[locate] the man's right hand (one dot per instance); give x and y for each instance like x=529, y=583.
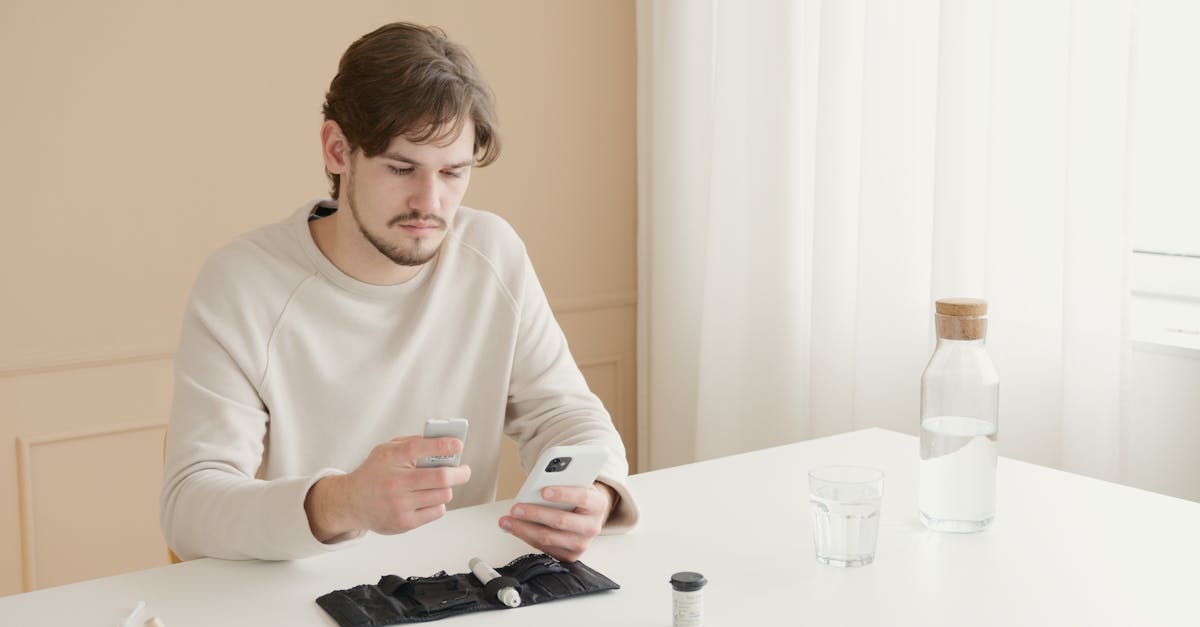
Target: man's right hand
x=387, y=493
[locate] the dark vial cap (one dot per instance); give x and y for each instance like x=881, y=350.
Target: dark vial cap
x=688, y=581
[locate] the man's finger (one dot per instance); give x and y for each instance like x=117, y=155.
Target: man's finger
x=574, y=496
x=570, y=522
x=592, y=498
x=427, y=447
x=561, y=545
x=441, y=477
x=414, y=519
x=420, y=499
x=405, y=452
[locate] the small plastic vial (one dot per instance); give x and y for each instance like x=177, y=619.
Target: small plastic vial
x=688, y=599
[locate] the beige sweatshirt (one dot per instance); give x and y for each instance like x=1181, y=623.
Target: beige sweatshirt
x=289, y=370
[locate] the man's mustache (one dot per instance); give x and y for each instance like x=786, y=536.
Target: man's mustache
x=416, y=216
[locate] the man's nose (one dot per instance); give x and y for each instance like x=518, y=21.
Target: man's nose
x=425, y=197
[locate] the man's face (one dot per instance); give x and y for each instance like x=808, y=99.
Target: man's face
x=404, y=199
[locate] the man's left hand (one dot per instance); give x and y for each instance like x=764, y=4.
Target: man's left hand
x=563, y=535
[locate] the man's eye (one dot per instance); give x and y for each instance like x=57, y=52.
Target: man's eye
x=396, y=170
x=454, y=174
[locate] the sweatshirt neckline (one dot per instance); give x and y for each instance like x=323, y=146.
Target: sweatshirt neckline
x=327, y=269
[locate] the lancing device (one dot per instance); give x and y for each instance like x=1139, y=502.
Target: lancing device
x=503, y=587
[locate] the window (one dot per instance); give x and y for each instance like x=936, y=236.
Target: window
x=1164, y=170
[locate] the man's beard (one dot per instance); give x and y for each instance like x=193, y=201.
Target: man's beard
x=412, y=256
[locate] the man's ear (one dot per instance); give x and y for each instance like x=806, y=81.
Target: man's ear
x=335, y=149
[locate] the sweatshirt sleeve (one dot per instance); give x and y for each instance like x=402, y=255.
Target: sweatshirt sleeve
x=211, y=504
x=549, y=401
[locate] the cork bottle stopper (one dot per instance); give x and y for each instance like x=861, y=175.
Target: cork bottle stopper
x=961, y=318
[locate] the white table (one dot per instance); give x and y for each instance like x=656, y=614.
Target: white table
x=1064, y=550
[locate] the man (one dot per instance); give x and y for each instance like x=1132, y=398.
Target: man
x=314, y=349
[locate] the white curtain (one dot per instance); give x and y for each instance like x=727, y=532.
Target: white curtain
x=813, y=175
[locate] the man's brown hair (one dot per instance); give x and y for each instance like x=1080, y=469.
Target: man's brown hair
x=410, y=80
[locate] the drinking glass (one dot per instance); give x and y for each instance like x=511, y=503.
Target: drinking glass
x=845, y=505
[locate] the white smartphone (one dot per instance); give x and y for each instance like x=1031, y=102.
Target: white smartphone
x=444, y=428
x=574, y=465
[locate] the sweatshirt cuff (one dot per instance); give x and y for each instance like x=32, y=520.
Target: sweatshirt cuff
x=624, y=516
x=299, y=534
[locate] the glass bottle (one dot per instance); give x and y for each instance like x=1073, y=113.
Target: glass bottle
x=959, y=401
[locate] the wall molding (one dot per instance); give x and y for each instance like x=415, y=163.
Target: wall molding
x=574, y=304
x=25, y=449
x=97, y=359
x=101, y=359
x=617, y=362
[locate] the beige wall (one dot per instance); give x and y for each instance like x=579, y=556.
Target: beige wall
x=139, y=136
